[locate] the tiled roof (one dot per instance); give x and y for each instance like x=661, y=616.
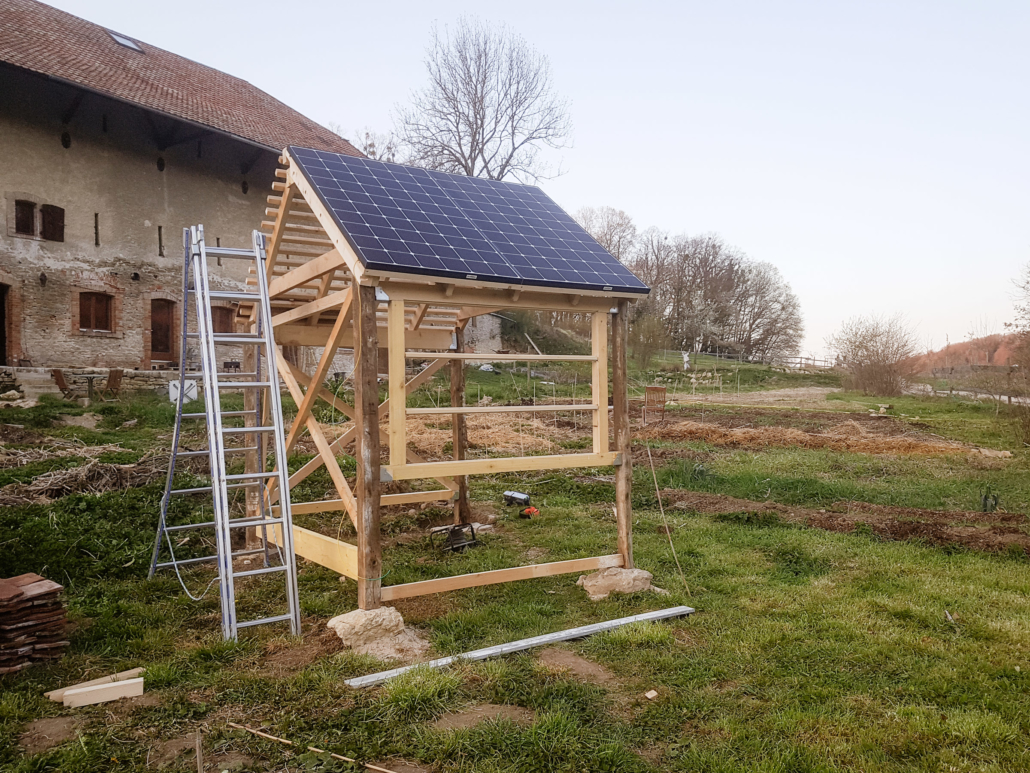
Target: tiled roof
x=45, y=40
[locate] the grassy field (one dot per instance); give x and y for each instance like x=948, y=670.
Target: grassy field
x=811, y=650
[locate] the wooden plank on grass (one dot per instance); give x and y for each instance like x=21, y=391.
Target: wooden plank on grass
x=58, y=695
x=394, y=592
x=102, y=693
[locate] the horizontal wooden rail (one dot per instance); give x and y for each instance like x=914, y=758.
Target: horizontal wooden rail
x=501, y=357
x=330, y=505
x=501, y=409
x=341, y=557
x=477, y=579
x=509, y=464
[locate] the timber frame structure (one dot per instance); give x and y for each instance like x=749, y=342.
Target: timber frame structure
x=323, y=295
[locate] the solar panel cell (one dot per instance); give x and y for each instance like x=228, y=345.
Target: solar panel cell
x=419, y=221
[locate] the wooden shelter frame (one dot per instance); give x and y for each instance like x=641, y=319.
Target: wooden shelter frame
x=323, y=295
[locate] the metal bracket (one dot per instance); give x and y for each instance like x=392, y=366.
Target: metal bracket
x=385, y=476
x=381, y=295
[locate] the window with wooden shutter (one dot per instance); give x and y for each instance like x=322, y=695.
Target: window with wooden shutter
x=25, y=217
x=95, y=312
x=53, y=223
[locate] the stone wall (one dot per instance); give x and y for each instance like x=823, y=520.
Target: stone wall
x=128, y=184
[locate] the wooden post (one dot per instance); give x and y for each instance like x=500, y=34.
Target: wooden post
x=366, y=407
x=397, y=393
x=462, y=511
x=620, y=403
x=599, y=379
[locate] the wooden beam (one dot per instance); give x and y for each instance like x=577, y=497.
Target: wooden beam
x=341, y=557
x=599, y=379
x=478, y=579
x=492, y=357
x=463, y=410
x=398, y=395
x=58, y=695
x=321, y=370
x=315, y=307
x=420, y=314
x=366, y=404
x=468, y=312
x=509, y=464
x=307, y=335
x=406, y=498
x=620, y=415
x=325, y=450
x=272, y=248
x=102, y=693
x=474, y=293
x=459, y=428
x=328, y=261
x=347, y=437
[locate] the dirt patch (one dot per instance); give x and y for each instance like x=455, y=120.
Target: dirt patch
x=165, y=753
x=477, y=714
x=847, y=436
x=43, y=734
x=16, y=434
x=588, y=671
x=229, y=761
x=87, y=420
x=285, y=657
x=990, y=532
x=799, y=396
x=421, y=609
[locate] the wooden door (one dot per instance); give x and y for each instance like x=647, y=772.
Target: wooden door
x=161, y=317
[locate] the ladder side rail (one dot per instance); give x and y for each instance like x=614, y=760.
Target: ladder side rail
x=276, y=410
x=212, y=407
x=176, y=433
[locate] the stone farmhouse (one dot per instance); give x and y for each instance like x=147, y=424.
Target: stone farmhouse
x=112, y=146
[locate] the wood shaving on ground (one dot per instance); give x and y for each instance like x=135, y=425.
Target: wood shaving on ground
x=847, y=436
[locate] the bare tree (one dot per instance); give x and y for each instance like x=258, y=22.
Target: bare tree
x=489, y=106
x=877, y=353
x=612, y=228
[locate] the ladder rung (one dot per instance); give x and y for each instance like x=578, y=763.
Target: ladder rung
x=253, y=475
x=202, y=489
x=224, y=415
x=232, y=338
x=263, y=620
x=265, y=570
x=185, y=561
x=226, y=295
x=241, y=384
x=229, y=252
x=248, y=430
x=236, y=523
x=207, y=452
x=188, y=526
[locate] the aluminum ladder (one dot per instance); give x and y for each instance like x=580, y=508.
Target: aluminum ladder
x=263, y=427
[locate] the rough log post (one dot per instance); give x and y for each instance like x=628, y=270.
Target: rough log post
x=366, y=407
x=462, y=511
x=620, y=404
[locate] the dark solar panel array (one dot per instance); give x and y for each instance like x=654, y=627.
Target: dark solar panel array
x=410, y=220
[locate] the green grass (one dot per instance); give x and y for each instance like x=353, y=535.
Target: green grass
x=809, y=651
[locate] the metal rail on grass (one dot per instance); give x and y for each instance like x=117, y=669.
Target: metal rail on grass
x=524, y=644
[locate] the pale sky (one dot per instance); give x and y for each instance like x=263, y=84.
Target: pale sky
x=875, y=152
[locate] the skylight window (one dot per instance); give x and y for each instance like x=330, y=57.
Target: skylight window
x=124, y=41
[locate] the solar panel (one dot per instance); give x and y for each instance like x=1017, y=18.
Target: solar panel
x=410, y=220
